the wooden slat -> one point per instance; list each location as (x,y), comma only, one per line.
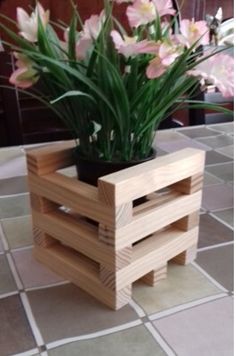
(41,204)
(151,254)
(83,273)
(186,256)
(48,159)
(135,182)
(156,199)
(188,222)
(155,276)
(73,194)
(42,239)
(78,234)
(155,219)
(190,185)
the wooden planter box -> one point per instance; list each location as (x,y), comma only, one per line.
(128,243)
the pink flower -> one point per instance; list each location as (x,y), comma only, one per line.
(82,47)
(141,12)
(93,26)
(128,46)
(164,7)
(217,70)
(28,25)
(25,76)
(155,68)
(91,31)
(168,52)
(193,31)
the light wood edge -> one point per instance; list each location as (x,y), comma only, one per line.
(81,236)
(132,183)
(149,222)
(151,254)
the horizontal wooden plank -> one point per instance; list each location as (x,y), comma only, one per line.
(156,218)
(154,200)
(153,253)
(72,193)
(82,272)
(76,233)
(135,182)
(50,158)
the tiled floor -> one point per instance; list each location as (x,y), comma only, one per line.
(187,314)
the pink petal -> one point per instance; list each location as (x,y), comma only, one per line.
(82,47)
(117,39)
(15,81)
(155,69)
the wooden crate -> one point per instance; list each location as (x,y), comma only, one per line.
(127,243)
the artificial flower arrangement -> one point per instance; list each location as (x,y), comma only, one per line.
(112,88)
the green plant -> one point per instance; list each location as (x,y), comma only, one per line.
(110,88)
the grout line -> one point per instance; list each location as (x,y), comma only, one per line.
(217,164)
(15,217)
(186,306)
(13,195)
(161,341)
(6,295)
(220,209)
(94,335)
(137,308)
(29,247)
(31,319)
(228,155)
(28,353)
(221,181)
(3,239)
(215,246)
(211,279)
(14,271)
(31,289)
(221,221)
(210,210)
(44,353)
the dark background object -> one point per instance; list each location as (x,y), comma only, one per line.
(24,120)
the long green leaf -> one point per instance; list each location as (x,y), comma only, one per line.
(76,74)
(72,38)
(197,104)
(73,93)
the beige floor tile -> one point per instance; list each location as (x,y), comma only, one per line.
(183,284)
(11,207)
(18,231)
(136,341)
